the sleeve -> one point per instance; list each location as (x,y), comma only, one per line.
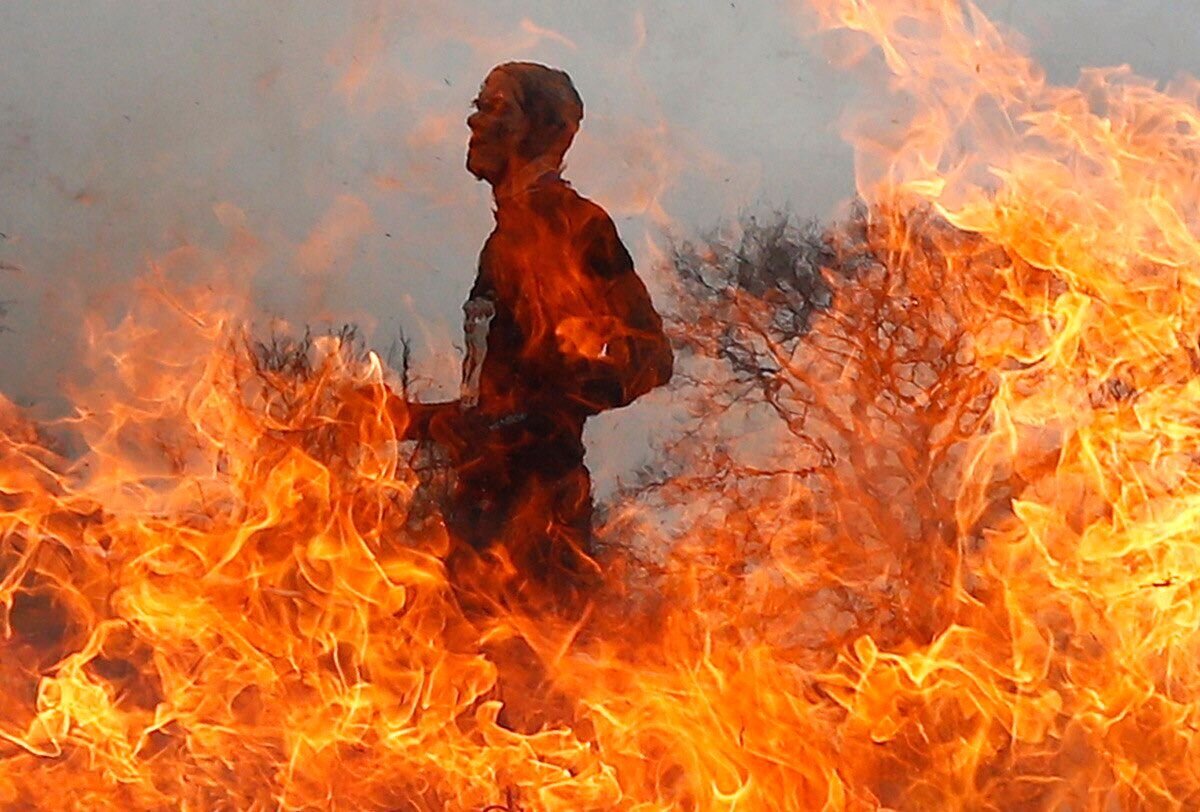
(636,355)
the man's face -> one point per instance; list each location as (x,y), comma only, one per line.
(498,126)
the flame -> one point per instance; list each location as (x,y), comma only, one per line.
(1073,640)
(959,571)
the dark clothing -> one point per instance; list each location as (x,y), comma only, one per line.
(574,333)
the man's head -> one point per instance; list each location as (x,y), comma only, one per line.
(525,114)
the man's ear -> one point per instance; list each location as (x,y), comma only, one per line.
(533,145)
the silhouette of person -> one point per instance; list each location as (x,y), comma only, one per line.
(558,326)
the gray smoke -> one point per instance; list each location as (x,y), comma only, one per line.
(333,134)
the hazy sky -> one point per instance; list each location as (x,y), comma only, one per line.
(333,133)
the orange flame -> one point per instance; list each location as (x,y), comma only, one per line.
(960,573)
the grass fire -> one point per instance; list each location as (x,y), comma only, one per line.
(923,541)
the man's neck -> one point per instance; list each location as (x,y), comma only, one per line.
(530,176)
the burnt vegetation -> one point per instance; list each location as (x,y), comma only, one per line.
(829,386)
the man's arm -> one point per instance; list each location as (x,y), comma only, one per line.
(634,353)
(436,421)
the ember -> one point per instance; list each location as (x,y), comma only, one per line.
(927,543)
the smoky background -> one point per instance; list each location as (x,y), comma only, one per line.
(315,150)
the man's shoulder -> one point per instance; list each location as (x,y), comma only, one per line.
(588,226)
(562,197)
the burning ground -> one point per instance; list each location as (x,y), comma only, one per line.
(928,541)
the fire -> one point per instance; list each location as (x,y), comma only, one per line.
(930,547)
(1077,489)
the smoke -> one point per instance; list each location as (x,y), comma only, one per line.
(314,152)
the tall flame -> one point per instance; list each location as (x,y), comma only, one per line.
(1079,488)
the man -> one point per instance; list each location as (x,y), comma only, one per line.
(559,328)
